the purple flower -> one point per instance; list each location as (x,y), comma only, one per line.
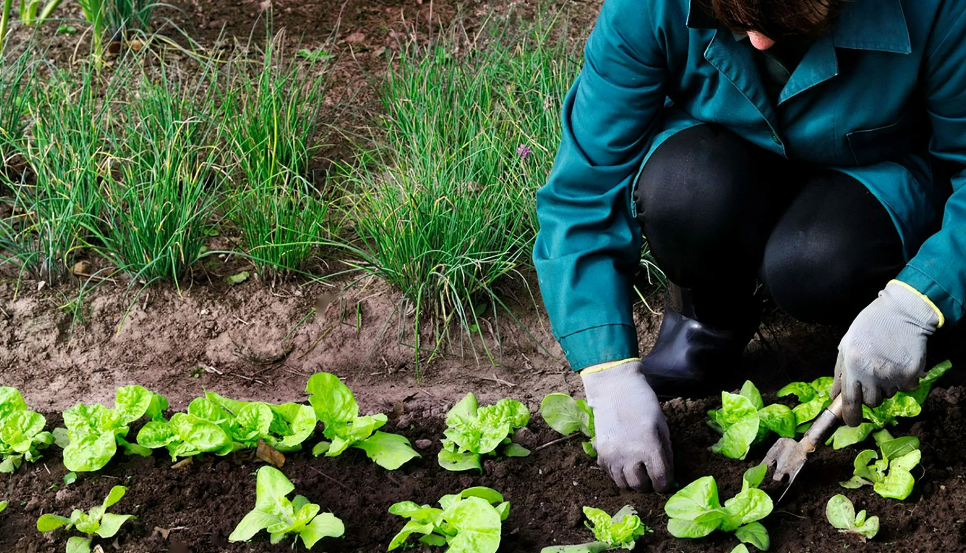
(523,151)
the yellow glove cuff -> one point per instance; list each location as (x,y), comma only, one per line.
(925,298)
(604,367)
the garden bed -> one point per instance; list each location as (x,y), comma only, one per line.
(194,508)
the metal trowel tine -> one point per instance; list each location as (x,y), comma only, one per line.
(788,456)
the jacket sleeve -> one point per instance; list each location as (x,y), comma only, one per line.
(589,245)
(938,270)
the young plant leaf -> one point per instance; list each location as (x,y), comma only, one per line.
(841,514)
(567,415)
(336,408)
(620,532)
(744,420)
(478,526)
(891,475)
(389,451)
(473,431)
(695,510)
(282,517)
(96,522)
(903,404)
(468,521)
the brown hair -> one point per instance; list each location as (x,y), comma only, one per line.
(776,19)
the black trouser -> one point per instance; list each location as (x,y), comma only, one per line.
(721,214)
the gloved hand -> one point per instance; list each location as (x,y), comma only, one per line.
(884,350)
(633,444)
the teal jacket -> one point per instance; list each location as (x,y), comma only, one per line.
(881,98)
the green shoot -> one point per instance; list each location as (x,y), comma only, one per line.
(22,434)
(281,516)
(841,514)
(67,157)
(473,431)
(471,520)
(337,410)
(889,476)
(620,532)
(159,200)
(568,415)
(695,510)
(744,421)
(96,522)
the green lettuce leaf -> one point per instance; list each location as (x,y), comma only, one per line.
(389,451)
(841,514)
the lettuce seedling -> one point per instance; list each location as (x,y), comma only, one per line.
(337,410)
(568,415)
(200,430)
(22,434)
(903,404)
(813,398)
(93,431)
(744,421)
(695,510)
(291,423)
(473,431)
(841,514)
(890,476)
(214,424)
(96,522)
(620,532)
(281,517)
(3,506)
(469,522)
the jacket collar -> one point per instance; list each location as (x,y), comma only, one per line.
(863,25)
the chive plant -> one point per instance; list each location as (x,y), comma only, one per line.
(270,116)
(16,86)
(164,187)
(111,19)
(57,199)
(443,206)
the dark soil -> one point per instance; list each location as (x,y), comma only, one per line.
(195,508)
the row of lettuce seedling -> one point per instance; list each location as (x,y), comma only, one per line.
(217,425)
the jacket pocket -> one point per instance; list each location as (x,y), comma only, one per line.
(870,146)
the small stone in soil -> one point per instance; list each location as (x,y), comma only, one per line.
(424,444)
(525,437)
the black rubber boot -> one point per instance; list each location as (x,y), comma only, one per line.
(700,343)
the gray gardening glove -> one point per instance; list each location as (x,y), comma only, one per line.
(633,444)
(884,350)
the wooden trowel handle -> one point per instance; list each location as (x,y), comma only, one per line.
(824,424)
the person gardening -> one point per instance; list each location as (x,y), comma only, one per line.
(812,150)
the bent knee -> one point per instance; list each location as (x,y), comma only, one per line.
(818,281)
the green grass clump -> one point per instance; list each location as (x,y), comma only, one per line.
(164,186)
(444,205)
(57,198)
(16,86)
(270,119)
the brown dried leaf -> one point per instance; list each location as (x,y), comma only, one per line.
(269,455)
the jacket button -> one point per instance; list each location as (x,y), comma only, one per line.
(776,138)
